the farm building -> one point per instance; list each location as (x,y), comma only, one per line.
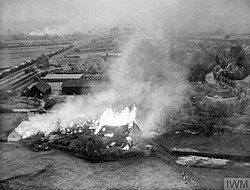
(39,90)
(77,87)
(221,95)
(43,62)
(82,86)
(14,136)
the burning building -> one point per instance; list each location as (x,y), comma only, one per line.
(115,135)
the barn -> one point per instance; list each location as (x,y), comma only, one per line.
(39,89)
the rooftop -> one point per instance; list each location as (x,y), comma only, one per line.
(82,83)
(42,86)
(247,79)
(63,76)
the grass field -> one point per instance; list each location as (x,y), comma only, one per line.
(57,170)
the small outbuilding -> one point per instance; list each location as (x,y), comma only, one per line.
(39,90)
(14,136)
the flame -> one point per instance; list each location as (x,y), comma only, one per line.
(111,118)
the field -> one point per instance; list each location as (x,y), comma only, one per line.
(226,143)
(23,169)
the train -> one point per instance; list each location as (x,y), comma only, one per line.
(31,62)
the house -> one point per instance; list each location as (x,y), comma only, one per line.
(43,62)
(14,136)
(221,95)
(39,89)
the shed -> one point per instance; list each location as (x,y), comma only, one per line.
(39,90)
(14,136)
(221,95)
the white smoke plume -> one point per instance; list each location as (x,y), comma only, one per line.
(146,75)
(49,30)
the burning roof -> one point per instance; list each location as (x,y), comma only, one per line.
(125,117)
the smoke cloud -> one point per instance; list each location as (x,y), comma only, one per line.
(146,76)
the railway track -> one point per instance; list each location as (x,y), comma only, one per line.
(164,154)
(24,81)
